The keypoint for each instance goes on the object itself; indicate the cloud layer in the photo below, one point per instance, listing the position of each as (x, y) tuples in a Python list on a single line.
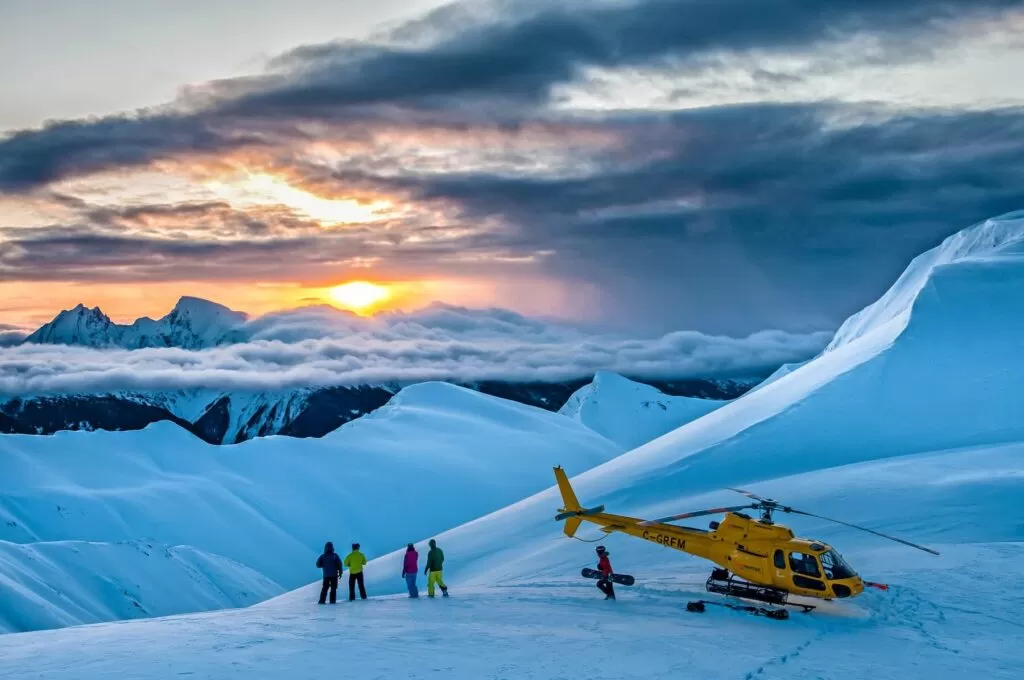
[(321, 346)]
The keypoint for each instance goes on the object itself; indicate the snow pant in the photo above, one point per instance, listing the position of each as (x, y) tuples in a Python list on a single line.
[(330, 583), (352, 580), (410, 583), (436, 578), (606, 587)]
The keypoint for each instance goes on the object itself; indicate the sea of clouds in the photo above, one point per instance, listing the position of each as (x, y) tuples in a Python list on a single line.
[(322, 346)]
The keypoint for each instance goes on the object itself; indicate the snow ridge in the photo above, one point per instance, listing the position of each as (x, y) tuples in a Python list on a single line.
[(996, 238)]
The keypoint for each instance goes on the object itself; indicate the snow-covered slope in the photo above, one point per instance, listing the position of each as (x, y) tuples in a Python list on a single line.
[(436, 456), (192, 324), (518, 608), (49, 585), (631, 413)]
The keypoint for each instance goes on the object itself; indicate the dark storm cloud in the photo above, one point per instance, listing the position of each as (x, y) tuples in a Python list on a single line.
[(82, 254), (750, 210), (211, 241), (512, 57), (763, 156), (33, 158), (520, 57)]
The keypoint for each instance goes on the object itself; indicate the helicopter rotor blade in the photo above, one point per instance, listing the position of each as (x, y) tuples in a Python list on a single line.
[(750, 495), (870, 531), (697, 513)]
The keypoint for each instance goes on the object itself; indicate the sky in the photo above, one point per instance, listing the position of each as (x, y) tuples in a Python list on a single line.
[(726, 167)]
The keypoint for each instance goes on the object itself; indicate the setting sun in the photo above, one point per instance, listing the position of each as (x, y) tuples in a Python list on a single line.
[(359, 296)]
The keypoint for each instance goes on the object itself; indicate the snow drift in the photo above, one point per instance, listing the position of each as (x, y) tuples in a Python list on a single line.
[(631, 413), (436, 456)]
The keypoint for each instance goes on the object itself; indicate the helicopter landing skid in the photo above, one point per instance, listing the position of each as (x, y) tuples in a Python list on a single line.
[(723, 583), (769, 612)]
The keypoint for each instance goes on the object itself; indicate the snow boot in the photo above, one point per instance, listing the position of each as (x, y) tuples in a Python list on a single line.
[(444, 592)]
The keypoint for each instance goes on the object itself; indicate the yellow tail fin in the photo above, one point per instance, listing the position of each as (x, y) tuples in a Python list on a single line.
[(569, 502)]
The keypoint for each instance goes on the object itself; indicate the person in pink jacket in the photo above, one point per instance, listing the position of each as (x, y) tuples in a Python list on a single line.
[(410, 568)]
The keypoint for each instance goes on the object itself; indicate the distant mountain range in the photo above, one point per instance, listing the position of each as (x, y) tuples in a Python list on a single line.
[(230, 417)]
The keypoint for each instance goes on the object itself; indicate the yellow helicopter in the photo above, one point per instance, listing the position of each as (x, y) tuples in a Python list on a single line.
[(759, 560)]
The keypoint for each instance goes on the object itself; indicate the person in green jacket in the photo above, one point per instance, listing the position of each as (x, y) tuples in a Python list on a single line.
[(355, 561), (434, 570)]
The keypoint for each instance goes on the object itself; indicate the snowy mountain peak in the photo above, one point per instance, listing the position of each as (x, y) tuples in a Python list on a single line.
[(631, 413), (194, 323), (198, 308), (80, 325)]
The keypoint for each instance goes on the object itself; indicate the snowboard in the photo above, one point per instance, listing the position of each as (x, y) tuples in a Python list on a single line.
[(621, 579)]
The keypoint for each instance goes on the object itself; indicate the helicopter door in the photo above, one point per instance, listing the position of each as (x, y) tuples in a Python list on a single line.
[(779, 562), (806, 573)]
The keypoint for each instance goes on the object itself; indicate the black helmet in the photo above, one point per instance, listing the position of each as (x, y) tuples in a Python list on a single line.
[(601, 550), (355, 546)]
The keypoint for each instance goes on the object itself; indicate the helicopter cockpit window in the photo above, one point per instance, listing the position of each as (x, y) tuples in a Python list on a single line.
[(804, 564), (835, 567), (779, 559)]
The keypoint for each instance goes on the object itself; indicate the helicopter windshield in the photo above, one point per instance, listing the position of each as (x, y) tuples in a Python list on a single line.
[(835, 567)]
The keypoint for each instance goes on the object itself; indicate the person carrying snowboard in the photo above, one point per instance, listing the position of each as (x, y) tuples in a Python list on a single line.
[(355, 561), (330, 563), (604, 565), (410, 569), (435, 565)]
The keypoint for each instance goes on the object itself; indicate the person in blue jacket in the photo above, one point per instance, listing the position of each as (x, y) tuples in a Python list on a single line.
[(330, 562)]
